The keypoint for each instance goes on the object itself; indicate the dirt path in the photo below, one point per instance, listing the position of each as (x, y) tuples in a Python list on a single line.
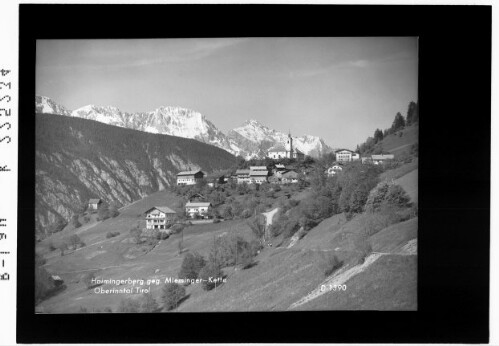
[(345, 274), (269, 215)]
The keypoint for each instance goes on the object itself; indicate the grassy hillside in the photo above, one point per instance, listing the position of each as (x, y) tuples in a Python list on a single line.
[(78, 159), (401, 142), (375, 255)]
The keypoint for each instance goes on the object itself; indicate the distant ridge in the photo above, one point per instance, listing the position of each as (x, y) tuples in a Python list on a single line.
[(252, 139), (78, 159)]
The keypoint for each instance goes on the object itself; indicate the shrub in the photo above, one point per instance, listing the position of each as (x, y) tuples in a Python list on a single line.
[(86, 219), (58, 225), (113, 210), (257, 225), (216, 220), (44, 284), (136, 234), (290, 228), (88, 280), (148, 303), (74, 242), (177, 228), (75, 222), (377, 196), (171, 295), (363, 248), (51, 246), (39, 260), (328, 262), (112, 234), (397, 196), (129, 305), (191, 266), (210, 272), (103, 212), (62, 247)]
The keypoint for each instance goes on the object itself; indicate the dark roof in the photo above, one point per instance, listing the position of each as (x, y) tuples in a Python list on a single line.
[(259, 173), (290, 174), (163, 209), (383, 157), (343, 150), (197, 204), (277, 148), (94, 200), (189, 172), (243, 171)]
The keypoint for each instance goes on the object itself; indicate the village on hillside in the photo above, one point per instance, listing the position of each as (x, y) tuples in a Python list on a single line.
[(201, 207), (162, 211)]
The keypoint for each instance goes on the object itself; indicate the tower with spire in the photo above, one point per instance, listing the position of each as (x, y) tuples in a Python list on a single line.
[(289, 145)]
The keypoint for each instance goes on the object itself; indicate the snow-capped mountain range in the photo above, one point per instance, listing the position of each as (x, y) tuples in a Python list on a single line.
[(250, 140)]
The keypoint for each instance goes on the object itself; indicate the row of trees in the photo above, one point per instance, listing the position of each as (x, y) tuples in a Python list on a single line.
[(399, 123)]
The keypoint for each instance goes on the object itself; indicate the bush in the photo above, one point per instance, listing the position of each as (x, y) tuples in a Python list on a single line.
[(44, 284), (75, 222), (88, 280), (191, 266), (103, 212), (216, 220), (129, 305), (113, 210), (171, 295), (387, 193), (86, 219), (397, 196), (362, 247), (210, 272), (136, 234), (177, 228), (148, 303), (112, 234), (51, 246), (74, 242), (328, 262), (39, 260), (58, 225)]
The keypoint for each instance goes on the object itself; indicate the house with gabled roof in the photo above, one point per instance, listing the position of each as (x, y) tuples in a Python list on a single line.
[(285, 151), (190, 177), (198, 208), (258, 177), (243, 176), (94, 203), (290, 177), (159, 217), (378, 159), (334, 169)]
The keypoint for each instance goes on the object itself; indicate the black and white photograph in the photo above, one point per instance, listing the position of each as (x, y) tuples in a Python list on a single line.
[(226, 174)]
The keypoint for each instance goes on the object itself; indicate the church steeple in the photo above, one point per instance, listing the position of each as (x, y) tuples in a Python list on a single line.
[(289, 145)]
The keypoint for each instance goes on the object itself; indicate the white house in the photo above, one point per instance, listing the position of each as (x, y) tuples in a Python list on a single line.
[(94, 203), (243, 176), (344, 155), (189, 177), (355, 156), (377, 159), (287, 151), (290, 177), (197, 208), (258, 177), (334, 169), (159, 217)]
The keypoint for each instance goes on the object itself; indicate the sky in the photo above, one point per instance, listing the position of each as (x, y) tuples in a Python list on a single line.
[(340, 89)]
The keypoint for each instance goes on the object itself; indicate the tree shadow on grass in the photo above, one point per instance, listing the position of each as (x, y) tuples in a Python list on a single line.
[(250, 265)]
